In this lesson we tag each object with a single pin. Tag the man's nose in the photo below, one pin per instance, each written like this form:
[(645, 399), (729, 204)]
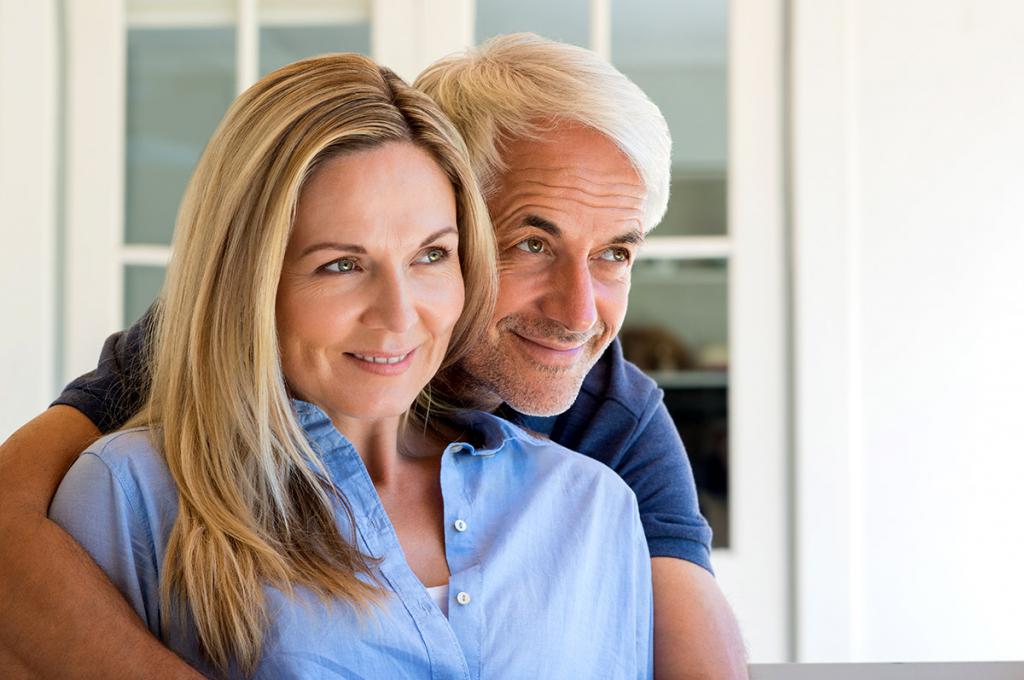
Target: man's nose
[(392, 306), (570, 301)]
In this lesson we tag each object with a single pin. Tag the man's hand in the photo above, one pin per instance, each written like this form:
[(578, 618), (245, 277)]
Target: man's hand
[(695, 633), (60, 617)]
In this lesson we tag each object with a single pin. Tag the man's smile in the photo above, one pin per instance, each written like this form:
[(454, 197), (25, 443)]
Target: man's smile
[(550, 353)]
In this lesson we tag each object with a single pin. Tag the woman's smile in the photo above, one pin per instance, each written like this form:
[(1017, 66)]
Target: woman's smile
[(382, 363)]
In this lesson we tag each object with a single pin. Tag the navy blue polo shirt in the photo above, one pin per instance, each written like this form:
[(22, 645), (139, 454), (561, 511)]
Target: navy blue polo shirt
[(619, 419)]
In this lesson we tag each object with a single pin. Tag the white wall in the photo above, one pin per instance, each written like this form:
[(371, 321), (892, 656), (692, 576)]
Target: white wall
[(908, 186), (28, 190)]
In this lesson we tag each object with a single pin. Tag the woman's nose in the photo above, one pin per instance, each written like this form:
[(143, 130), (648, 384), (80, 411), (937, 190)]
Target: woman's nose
[(391, 306)]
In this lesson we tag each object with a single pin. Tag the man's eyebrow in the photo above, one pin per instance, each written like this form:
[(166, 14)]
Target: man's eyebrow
[(542, 224), (632, 237), (353, 248)]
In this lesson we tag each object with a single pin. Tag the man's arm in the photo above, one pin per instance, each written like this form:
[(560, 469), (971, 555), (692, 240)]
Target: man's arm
[(59, 615), (695, 633)]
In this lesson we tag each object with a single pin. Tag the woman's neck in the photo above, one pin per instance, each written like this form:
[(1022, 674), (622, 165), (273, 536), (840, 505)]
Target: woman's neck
[(389, 450)]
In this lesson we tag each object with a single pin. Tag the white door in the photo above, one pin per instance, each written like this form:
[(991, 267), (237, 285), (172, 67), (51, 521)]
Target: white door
[(149, 79)]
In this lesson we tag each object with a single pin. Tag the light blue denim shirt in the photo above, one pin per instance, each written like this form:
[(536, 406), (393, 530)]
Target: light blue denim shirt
[(550, 574)]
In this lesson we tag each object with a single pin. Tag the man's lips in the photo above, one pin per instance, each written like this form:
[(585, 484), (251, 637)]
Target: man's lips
[(548, 352), (553, 346)]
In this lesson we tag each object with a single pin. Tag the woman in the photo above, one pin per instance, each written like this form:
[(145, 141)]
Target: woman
[(301, 492)]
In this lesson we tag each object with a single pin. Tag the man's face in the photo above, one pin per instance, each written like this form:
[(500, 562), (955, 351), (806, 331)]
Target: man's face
[(568, 215)]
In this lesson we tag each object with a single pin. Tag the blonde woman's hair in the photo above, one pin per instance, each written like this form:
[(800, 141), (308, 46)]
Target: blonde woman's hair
[(520, 85), (255, 505)]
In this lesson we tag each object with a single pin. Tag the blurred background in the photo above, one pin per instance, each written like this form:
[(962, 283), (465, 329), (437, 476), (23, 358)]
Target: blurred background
[(833, 305)]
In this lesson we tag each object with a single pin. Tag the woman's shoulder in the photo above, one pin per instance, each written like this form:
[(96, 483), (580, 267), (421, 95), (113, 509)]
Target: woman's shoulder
[(541, 459), (132, 457), (123, 447)]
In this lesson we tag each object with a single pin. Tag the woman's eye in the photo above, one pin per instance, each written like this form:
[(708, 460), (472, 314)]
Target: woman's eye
[(616, 255), (531, 245), (433, 255), (342, 266)]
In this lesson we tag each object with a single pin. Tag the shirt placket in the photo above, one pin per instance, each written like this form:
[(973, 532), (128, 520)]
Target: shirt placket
[(377, 537), (459, 465)]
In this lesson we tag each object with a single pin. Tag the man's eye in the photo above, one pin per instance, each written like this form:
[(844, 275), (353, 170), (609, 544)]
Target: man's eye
[(342, 266), (616, 255), (531, 245), (432, 255)]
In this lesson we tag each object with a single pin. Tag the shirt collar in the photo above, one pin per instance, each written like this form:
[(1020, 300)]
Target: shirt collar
[(491, 432)]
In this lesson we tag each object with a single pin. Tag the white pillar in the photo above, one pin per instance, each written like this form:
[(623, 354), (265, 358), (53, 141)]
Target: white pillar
[(94, 171), (29, 85), (409, 35)]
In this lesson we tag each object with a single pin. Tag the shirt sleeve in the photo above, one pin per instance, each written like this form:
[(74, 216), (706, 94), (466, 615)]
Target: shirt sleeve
[(92, 505), (112, 392), (645, 608), (656, 467)]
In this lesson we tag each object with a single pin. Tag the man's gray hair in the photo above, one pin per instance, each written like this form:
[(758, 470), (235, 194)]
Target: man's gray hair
[(520, 85)]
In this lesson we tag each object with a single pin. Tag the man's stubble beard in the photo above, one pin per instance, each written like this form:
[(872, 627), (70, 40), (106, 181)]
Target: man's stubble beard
[(493, 371)]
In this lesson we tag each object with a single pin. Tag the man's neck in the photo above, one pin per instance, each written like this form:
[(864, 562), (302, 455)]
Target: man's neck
[(472, 392)]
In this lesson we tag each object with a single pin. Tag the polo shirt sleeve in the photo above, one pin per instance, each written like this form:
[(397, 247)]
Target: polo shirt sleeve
[(656, 467), (112, 392)]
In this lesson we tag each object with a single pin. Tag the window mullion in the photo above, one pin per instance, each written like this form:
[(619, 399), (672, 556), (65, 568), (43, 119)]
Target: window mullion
[(247, 44), (601, 27)]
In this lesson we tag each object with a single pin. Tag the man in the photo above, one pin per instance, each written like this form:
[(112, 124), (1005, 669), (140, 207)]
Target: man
[(574, 161)]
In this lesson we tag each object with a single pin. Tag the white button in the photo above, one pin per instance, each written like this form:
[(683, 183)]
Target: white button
[(463, 598), (456, 448), (460, 525)]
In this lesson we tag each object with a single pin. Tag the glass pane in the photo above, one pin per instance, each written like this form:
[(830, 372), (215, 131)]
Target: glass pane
[(697, 205), (141, 286), (676, 330), (180, 82), (677, 52), (180, 12), (566, 20), (280, 45)]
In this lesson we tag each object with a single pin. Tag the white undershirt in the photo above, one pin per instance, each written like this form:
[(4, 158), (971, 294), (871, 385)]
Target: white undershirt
[(439, 594)]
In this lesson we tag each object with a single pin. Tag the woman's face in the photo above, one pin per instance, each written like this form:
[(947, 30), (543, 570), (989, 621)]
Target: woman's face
[(371, 285)]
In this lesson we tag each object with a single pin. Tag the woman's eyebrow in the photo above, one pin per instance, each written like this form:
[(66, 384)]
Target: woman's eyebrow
[(359, 250), (438, 234), (332, 245)]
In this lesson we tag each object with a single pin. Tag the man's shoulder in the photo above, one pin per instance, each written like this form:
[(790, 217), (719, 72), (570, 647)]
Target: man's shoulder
[(615, 379)]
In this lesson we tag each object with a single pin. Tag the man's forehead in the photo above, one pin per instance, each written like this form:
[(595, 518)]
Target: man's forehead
[(583, 174), (555, 198), (570, 176), (561, 144), (573, 157), (560, 192)]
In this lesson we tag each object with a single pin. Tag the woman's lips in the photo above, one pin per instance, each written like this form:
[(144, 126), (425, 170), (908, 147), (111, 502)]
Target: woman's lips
[(377, 359), (381, 363)]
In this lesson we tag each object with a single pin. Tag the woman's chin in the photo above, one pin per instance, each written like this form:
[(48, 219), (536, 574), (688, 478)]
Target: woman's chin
[(365, 406)]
